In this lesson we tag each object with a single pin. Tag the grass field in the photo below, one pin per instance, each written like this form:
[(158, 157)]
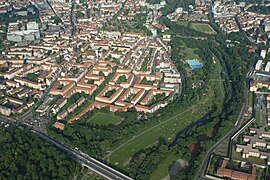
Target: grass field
[(163, 168), (250, 99), (203, 27), (167, 129), (190, 54), (182, 23), (101, 118)]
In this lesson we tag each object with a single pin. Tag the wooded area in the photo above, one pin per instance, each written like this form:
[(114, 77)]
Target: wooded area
[(24, 155)]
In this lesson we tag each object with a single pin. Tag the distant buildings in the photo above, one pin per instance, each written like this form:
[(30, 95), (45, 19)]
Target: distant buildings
[(18, 34), (224, 171), (257, 145), (112, 68), (231, 17)]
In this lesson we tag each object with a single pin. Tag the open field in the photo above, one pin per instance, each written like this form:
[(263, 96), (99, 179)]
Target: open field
[(203, 27), (182, 23), (190, 54), (250, 99), (167, 129), (163, 168), (101, 118)]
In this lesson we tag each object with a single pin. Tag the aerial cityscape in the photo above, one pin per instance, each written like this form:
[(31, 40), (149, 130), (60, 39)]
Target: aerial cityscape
[(135, 89)]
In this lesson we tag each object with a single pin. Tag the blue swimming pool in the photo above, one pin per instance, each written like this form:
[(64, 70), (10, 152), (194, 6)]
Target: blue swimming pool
[(194, 64)]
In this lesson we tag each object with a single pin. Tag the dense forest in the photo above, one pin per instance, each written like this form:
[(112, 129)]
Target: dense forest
[(24, 155), (153, 1)]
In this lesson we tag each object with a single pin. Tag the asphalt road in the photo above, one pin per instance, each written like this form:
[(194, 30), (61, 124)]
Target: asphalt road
[(71, 19), (201, 172)]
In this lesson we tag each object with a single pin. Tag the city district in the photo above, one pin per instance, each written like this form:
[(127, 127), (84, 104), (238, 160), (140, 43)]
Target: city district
[(60, 60)]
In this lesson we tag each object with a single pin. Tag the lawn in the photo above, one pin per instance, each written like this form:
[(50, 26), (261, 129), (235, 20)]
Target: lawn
[(263, 120), (166, 129), (260, 118), (190, 54), (218, 83), (202, 27), (222, 150), (182, 23), (163, 168), (101, 118), (253, 160)]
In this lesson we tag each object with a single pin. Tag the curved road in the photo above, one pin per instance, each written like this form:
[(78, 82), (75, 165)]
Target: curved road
[(202, 170)]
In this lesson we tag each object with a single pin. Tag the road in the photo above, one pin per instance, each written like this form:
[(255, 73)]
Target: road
[(71, 19), (28, 115), (201, 172), (192, 37), (54, 11), (87, 161)]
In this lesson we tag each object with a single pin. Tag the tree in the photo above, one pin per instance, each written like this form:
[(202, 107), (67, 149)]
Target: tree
[(27, 156)]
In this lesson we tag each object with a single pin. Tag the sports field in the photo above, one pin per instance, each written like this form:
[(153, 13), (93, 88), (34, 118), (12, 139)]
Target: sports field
[(203, 27)]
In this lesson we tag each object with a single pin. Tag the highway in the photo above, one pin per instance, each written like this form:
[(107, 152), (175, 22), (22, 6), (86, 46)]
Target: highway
[(87, 161)]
